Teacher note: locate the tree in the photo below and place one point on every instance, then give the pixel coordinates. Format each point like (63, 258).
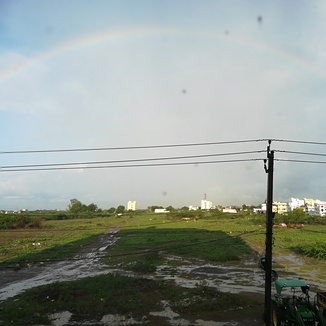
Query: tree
(120, 209)
(152, 208)
(169, 208)
(296, 216)
(111, 210)
(92, 208)
(75, 206)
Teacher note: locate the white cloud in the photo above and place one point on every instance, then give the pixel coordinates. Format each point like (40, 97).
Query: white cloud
(203, 84)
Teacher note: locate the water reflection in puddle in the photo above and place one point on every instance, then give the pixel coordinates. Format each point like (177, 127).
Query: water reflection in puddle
(167, 314)
(241, 276)
(246, 277)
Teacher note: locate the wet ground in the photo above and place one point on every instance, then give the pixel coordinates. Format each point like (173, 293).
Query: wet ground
(242, 276)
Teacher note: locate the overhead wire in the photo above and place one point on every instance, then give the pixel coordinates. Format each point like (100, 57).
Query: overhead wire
(299, 142)
(62, 150)
(74, 165)
(132, 147)
(126, 163)
(130, 165)
(299, 161)
(300, 153)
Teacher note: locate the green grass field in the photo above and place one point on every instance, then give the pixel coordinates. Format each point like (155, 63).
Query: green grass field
(144, 241)
(204, 239)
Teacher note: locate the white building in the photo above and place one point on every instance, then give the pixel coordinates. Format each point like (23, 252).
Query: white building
(295, 203)
(160, 210)
(261, 210)
(320, 207)
(229, 210)
(132, 205)
(206, 204)
(193, 208)
(309, 206)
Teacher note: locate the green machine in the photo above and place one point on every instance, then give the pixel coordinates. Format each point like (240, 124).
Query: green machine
(291, 305)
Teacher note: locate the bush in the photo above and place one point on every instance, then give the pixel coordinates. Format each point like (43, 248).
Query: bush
(316, 250)
(18, 221)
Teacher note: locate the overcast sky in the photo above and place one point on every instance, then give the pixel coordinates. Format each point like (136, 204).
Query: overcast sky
(97, 74)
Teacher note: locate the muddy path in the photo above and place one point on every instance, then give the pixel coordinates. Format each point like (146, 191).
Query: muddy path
(243, 276)
(235, 277)
(86, 263)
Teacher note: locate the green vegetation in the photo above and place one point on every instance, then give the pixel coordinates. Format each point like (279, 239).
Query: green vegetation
(146, 240)
(298, 216)
(144, 246)
(57, 239)
(19, 221)
(315, 250)
(205, 238)
(94, 297)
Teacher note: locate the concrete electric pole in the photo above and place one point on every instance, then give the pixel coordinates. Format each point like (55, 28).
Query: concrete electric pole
(269, 236)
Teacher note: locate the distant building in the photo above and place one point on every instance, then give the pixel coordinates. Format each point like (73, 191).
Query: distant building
(261, 210)
(160, 210)
(309, 206)
(320, 208)
(280, 208)
(295, 203)
(206, 204)
(229, 210)
(193, 208)
(132, 205)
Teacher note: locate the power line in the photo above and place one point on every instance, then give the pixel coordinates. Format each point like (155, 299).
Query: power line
(129, 165)
(299, 161)
(161, 146)
(132, 147)
(300, 153)
(299, 141)
(130, 160)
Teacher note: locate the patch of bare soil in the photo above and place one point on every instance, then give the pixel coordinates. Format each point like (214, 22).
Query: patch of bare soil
(86, 263)
(244, 277)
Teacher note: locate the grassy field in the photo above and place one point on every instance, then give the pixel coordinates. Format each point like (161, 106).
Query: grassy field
(144, 242)
(56, 240)
(206, 238)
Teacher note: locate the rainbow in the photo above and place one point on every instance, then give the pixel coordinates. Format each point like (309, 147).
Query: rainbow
(107, 37)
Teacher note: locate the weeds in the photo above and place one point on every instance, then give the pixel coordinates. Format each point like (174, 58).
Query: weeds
(110, 294)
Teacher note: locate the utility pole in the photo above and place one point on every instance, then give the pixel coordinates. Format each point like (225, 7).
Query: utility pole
(269, 236)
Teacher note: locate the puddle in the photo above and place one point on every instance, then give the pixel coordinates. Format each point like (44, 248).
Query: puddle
(246, 278)
(60, 318)
(83, 265)
(241, 276)
(174, 319)
(300, 267)
(167, 315)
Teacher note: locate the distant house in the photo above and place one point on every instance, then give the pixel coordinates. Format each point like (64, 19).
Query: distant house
(280, 208)
(132, 205)
(295, 203)
(309, 206)
(193, 208)
(261, 210)
(320, 208)
(229, 210)
(160, 210)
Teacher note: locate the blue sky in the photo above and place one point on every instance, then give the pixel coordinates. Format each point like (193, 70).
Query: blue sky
(102, 73)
